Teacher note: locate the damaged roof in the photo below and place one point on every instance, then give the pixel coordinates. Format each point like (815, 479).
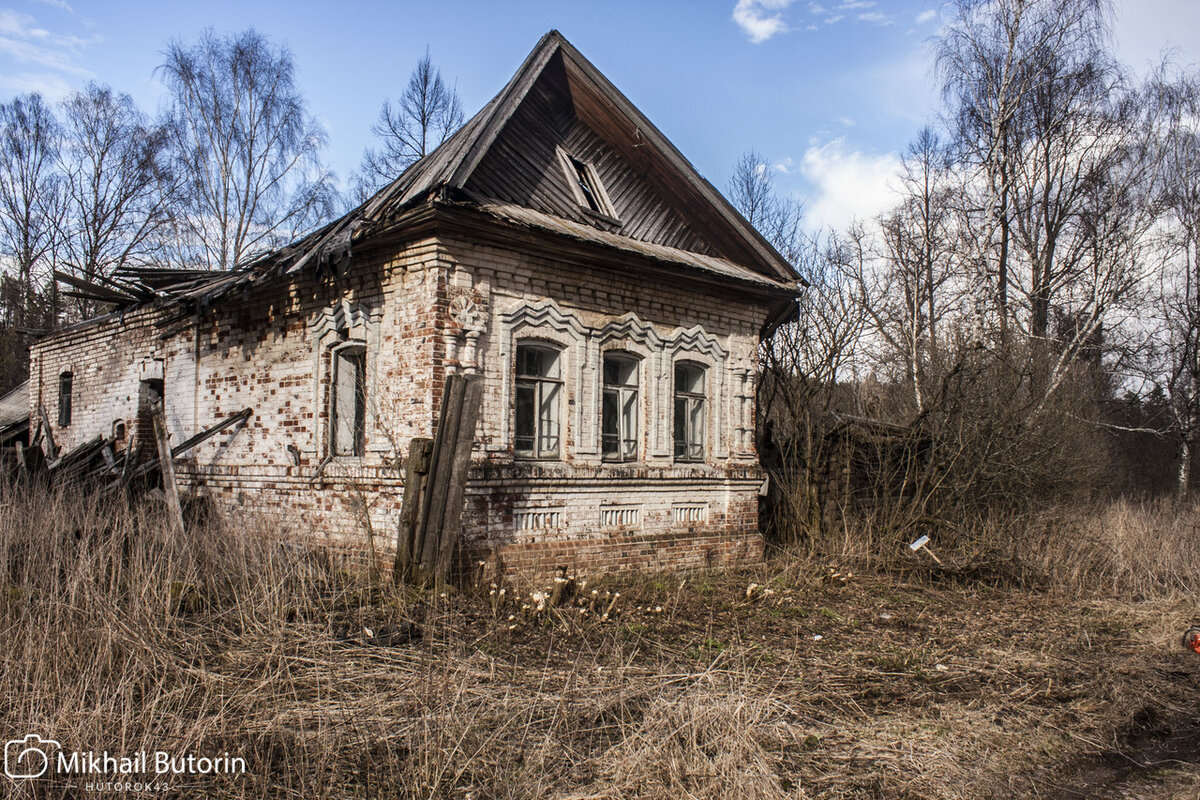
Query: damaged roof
(556, 93)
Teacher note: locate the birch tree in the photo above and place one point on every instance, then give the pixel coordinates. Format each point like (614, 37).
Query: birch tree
(246, 146)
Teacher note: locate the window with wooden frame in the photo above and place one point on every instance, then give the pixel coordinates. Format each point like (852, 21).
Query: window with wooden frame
(689, 411)
(348, 401)
(538, 413)
(586, 187)
(64, 399)
(619, 408)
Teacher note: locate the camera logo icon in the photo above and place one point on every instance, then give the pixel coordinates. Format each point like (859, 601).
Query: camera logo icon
(28, 757)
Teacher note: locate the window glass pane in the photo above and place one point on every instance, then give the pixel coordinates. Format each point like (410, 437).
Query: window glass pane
(609, 434)
(348, 403)
(620, 371)
(629, 425)
(696, 428)
(525, 418)
(689, 378)
(548, 420)
(681, 427)
(537, 362)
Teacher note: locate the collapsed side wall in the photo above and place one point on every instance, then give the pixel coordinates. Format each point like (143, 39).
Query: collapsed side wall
(270, 350)
(274, 353)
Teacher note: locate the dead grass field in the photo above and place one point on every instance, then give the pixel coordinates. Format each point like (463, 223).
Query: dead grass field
(796, 678)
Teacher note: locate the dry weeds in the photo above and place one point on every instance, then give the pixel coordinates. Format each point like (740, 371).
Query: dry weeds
(798, 678)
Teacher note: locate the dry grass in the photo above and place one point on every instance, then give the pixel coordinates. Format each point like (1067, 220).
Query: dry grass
(816, 682)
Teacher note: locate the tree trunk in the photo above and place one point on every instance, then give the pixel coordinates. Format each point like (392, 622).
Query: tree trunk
(1184, 477)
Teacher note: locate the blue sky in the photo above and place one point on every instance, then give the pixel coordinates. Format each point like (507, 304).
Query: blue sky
(830, 92)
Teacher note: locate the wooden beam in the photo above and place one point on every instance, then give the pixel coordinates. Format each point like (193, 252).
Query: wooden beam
(415, 471)
(167, 461)
(48, 431)
(441, 464)
(460, 467)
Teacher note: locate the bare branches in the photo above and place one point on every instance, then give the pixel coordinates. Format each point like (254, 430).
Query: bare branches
(119, 186)
(426, 115)
(247, 146)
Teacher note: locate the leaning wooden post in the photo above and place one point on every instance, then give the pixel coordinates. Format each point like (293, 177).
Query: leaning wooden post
(51, 447)
(415, 470)
(460, 467)
(433, 507)
(167, 464)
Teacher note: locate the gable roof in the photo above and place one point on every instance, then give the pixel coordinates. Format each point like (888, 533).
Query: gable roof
(607, 110)
(732, 248)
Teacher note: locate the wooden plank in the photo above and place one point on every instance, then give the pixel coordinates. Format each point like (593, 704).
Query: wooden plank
(440, 467)
(461, 467)
(167, 462)
(415, 471)
(130, 449)
(48, 431)
(208, 433)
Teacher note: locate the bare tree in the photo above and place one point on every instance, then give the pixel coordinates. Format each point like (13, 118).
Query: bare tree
(752, 192)
(118, 185)
(1175, 364)
(30, 198)
(807, 367)
(427, 114)
(247, 147)
(904, 295)
(992, 58)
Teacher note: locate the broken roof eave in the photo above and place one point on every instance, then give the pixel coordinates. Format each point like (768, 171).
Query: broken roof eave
(557, 234)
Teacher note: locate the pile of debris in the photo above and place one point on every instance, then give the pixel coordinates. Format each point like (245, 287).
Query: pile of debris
(101, 464)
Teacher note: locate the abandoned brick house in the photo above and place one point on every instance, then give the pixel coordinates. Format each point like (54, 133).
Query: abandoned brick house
(559, 246)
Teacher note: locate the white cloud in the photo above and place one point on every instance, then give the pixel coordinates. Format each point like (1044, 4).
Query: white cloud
(786, 167)
(847, 184)
(875, 18)
(761, 19)
(59, 4)
(54, 57)
(51, 87)
(926, 16)
(1143, 35)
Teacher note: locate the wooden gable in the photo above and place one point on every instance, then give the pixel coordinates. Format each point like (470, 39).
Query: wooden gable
(524, 166)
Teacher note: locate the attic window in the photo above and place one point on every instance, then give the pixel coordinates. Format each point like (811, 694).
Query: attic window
(586, 187)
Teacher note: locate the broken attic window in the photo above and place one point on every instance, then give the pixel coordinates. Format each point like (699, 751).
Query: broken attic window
(586, 187)
(584, 178)
(348, 402)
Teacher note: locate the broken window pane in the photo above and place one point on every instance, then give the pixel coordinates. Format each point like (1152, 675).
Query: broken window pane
(64, 399)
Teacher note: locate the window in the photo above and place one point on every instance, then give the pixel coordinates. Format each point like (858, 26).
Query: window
(64, 399)
(586, 187)
(348, 402)
(619, 410)
(539, 393)
(689, 412)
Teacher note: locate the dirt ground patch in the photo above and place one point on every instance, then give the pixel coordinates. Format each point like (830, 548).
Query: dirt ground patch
(882, 685)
